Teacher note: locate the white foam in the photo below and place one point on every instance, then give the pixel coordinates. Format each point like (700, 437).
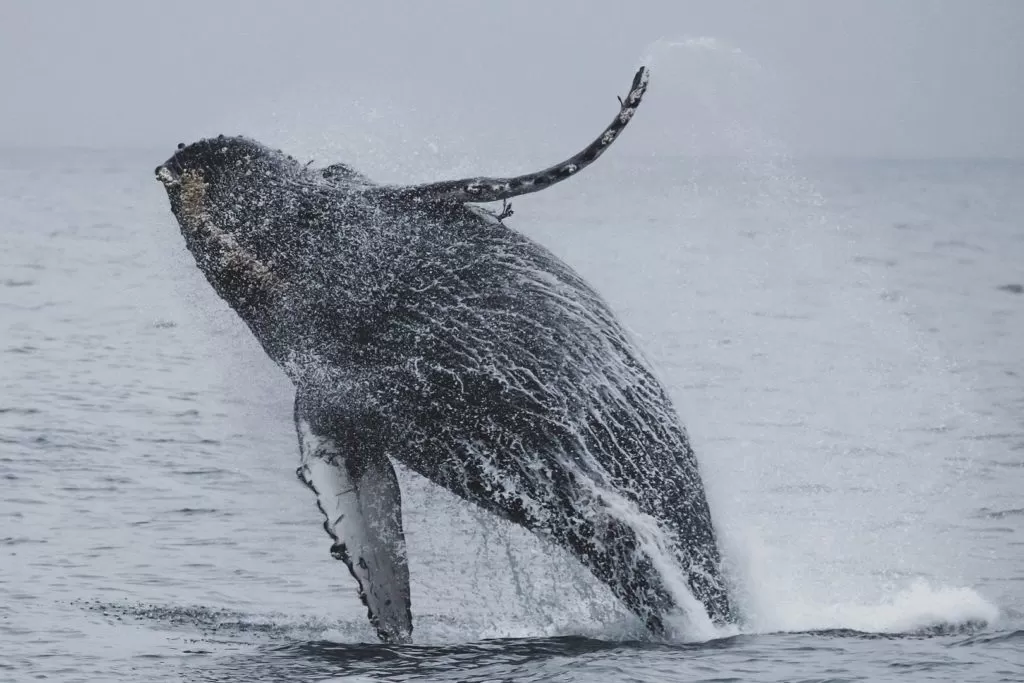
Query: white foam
(920, 606)
(785, 590)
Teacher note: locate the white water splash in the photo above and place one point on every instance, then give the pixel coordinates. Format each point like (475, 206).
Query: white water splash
(828, 561)
(919, 607)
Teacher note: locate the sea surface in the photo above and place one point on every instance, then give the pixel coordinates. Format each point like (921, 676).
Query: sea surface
(844, 340)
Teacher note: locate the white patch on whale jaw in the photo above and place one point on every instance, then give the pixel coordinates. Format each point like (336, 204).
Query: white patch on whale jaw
(218, 253)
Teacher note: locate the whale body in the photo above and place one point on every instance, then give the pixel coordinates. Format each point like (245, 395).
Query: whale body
(419, 327)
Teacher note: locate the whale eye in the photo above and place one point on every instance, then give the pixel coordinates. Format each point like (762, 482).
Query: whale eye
(181, 145)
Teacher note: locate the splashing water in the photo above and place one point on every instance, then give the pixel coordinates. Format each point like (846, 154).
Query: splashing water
(852, 414)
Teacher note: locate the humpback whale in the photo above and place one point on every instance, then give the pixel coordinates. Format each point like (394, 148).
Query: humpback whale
(419, 327)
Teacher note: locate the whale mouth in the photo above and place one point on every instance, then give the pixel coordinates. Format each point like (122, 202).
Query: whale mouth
(169, 173)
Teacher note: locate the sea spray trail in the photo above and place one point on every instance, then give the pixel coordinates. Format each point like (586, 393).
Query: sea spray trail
(806, 249)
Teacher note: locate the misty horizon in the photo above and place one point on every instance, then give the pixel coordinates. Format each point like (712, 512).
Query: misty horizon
(462, 83)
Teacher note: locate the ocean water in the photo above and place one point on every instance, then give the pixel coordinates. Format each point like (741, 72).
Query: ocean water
(842, 338)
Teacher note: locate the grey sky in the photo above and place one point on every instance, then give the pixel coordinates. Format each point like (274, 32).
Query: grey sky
(888, 78)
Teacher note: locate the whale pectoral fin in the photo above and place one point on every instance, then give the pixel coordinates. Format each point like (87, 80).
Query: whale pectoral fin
(497, 189)
(362, 507)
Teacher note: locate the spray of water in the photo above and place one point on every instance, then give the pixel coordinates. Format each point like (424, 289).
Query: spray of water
(783, 570)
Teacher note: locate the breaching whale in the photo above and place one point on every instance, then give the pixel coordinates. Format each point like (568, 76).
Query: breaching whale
(418, 327)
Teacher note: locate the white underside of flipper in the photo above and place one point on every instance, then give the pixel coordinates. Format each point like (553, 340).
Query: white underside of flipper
(362, 513)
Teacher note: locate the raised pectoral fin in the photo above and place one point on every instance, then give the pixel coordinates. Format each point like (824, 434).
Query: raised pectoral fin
(496, 189)
(362, 508)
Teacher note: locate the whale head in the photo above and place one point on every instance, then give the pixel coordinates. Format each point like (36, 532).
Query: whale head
(211, 178)
(222, 159)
